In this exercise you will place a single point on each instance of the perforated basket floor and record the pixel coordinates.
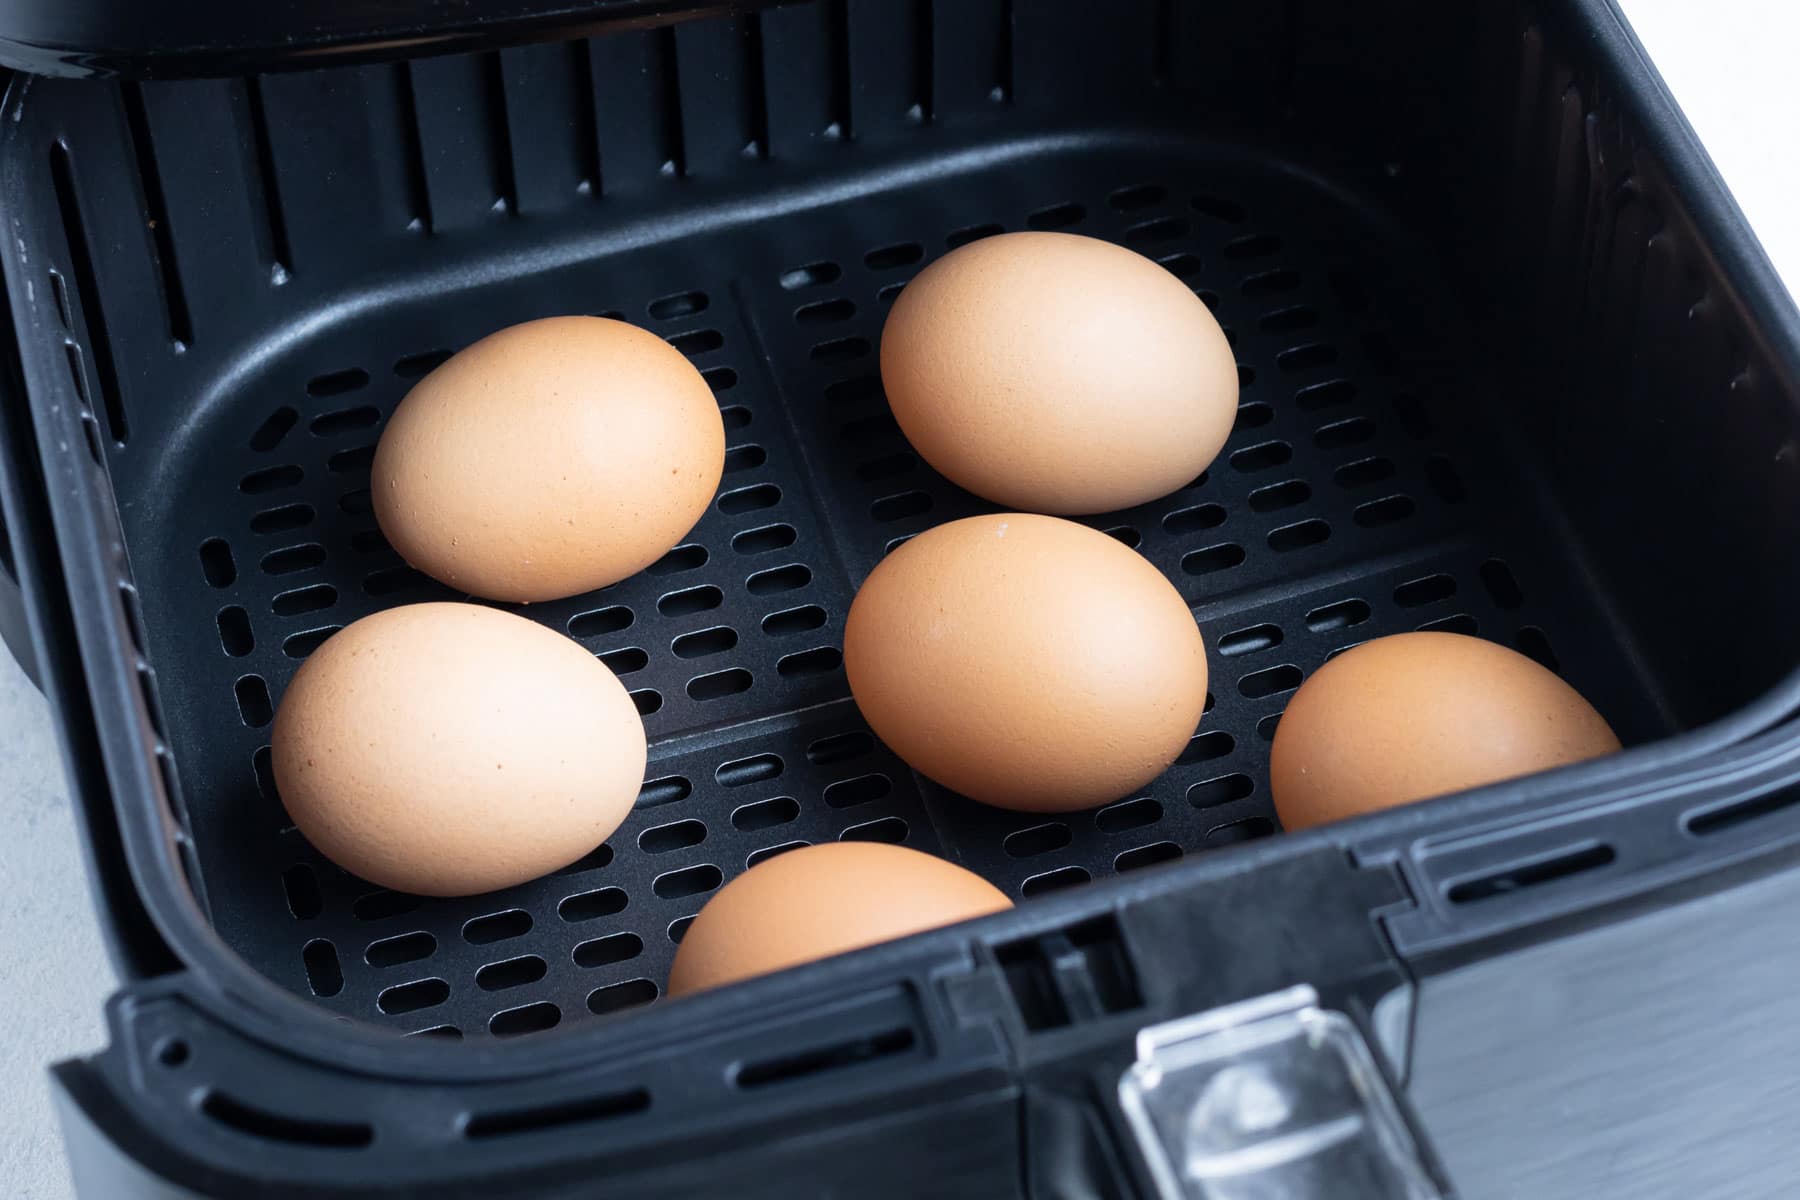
(1358, 496)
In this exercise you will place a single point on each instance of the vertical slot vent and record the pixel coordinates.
(838, 58)
(924, 81)
(756, 94)
(418, 193)
(669, 77)
(506, 187)
(268, 183)
(87, 286)
(175, 305)
(587, 128)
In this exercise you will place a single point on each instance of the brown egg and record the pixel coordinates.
(448, 749)
(818, 901)
(549, 459)
(1058, 374)
(1416, 715)
(1026, 661)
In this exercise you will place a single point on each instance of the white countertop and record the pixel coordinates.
(1730, 64)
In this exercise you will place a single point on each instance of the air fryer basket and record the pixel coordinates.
(1492, 379)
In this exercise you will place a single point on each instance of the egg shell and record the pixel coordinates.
(549, 459)
(1403, 718)
(1058, 374)
(1026, 661)
(450, 749)
(817, 901)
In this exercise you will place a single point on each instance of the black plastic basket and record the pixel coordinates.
(1511, 365)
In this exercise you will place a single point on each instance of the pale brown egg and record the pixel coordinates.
(1027, 662)
(1058, 374)
(449, 749)
(1416, 715)
(818, 901)
(549, 459)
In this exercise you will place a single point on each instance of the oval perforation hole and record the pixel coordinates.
(1206, 747)
(1183, 265)
(775, 580)
(741, 772)
(1341, 615)
(889, 831)
(1039, 839)
(820, 660)
(216, 563)
(301, 886)
(1535, 644)
(1388, 510)
(1054, 881)
(1222, 557)
(391, 580)
(1146, 856)
(750, 499)
(1299, 535)
(841, 350)
(723, 379)
(1253, 415)
(647, 701)
(680, 304)
(253, 701)
(1246, 830)
(590, 906)
(689, 601)
(1458, 623)
(863, 789)
(1057, 216)
(1229, 211)
(662, 839)
(879, 427)
(268, 435)
(601, 621)
(745, 458)
(1262, 457)
(412, 997)
(1265, 728)
(356, 503)
(290, 559)
(1141, 195)
(825, 312)
(1500, 583)
(312, 598)
(529, 1018)
(1126, 535)
(764, 539)
(353, 461)
(705, 642)
(1444, 480)
(768, 852)
(697, 341)
(900, 507)
(617, 997)
(1307, 357)
(855, 390)
(1226, 789)
(1132, 814)
(1271, 681)
(270, 479)
(669, 789)
(382, 904)
(337, 382)
(1249, 641)
(810, 275)
(719, 684)
(301, 644)
(1195, 519)
(688, 881)
(282, 518)
(347, 420)
(971, 233)
(417, 366)
(234, 631)
(511, 973)
(1339, 434)
(1159, 229)
(765, 814)
(1278, 496)
(887, 258)
(678, 928)
(1291, 319)
(595, 859)
(1270, 283)
(625, 661)
(606, 951)
(1430, 589)
(1329, 394)
(794, 620)
(1363, 472)
(496, 927)
(402, 948)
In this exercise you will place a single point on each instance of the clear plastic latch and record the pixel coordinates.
(1270, 1099)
